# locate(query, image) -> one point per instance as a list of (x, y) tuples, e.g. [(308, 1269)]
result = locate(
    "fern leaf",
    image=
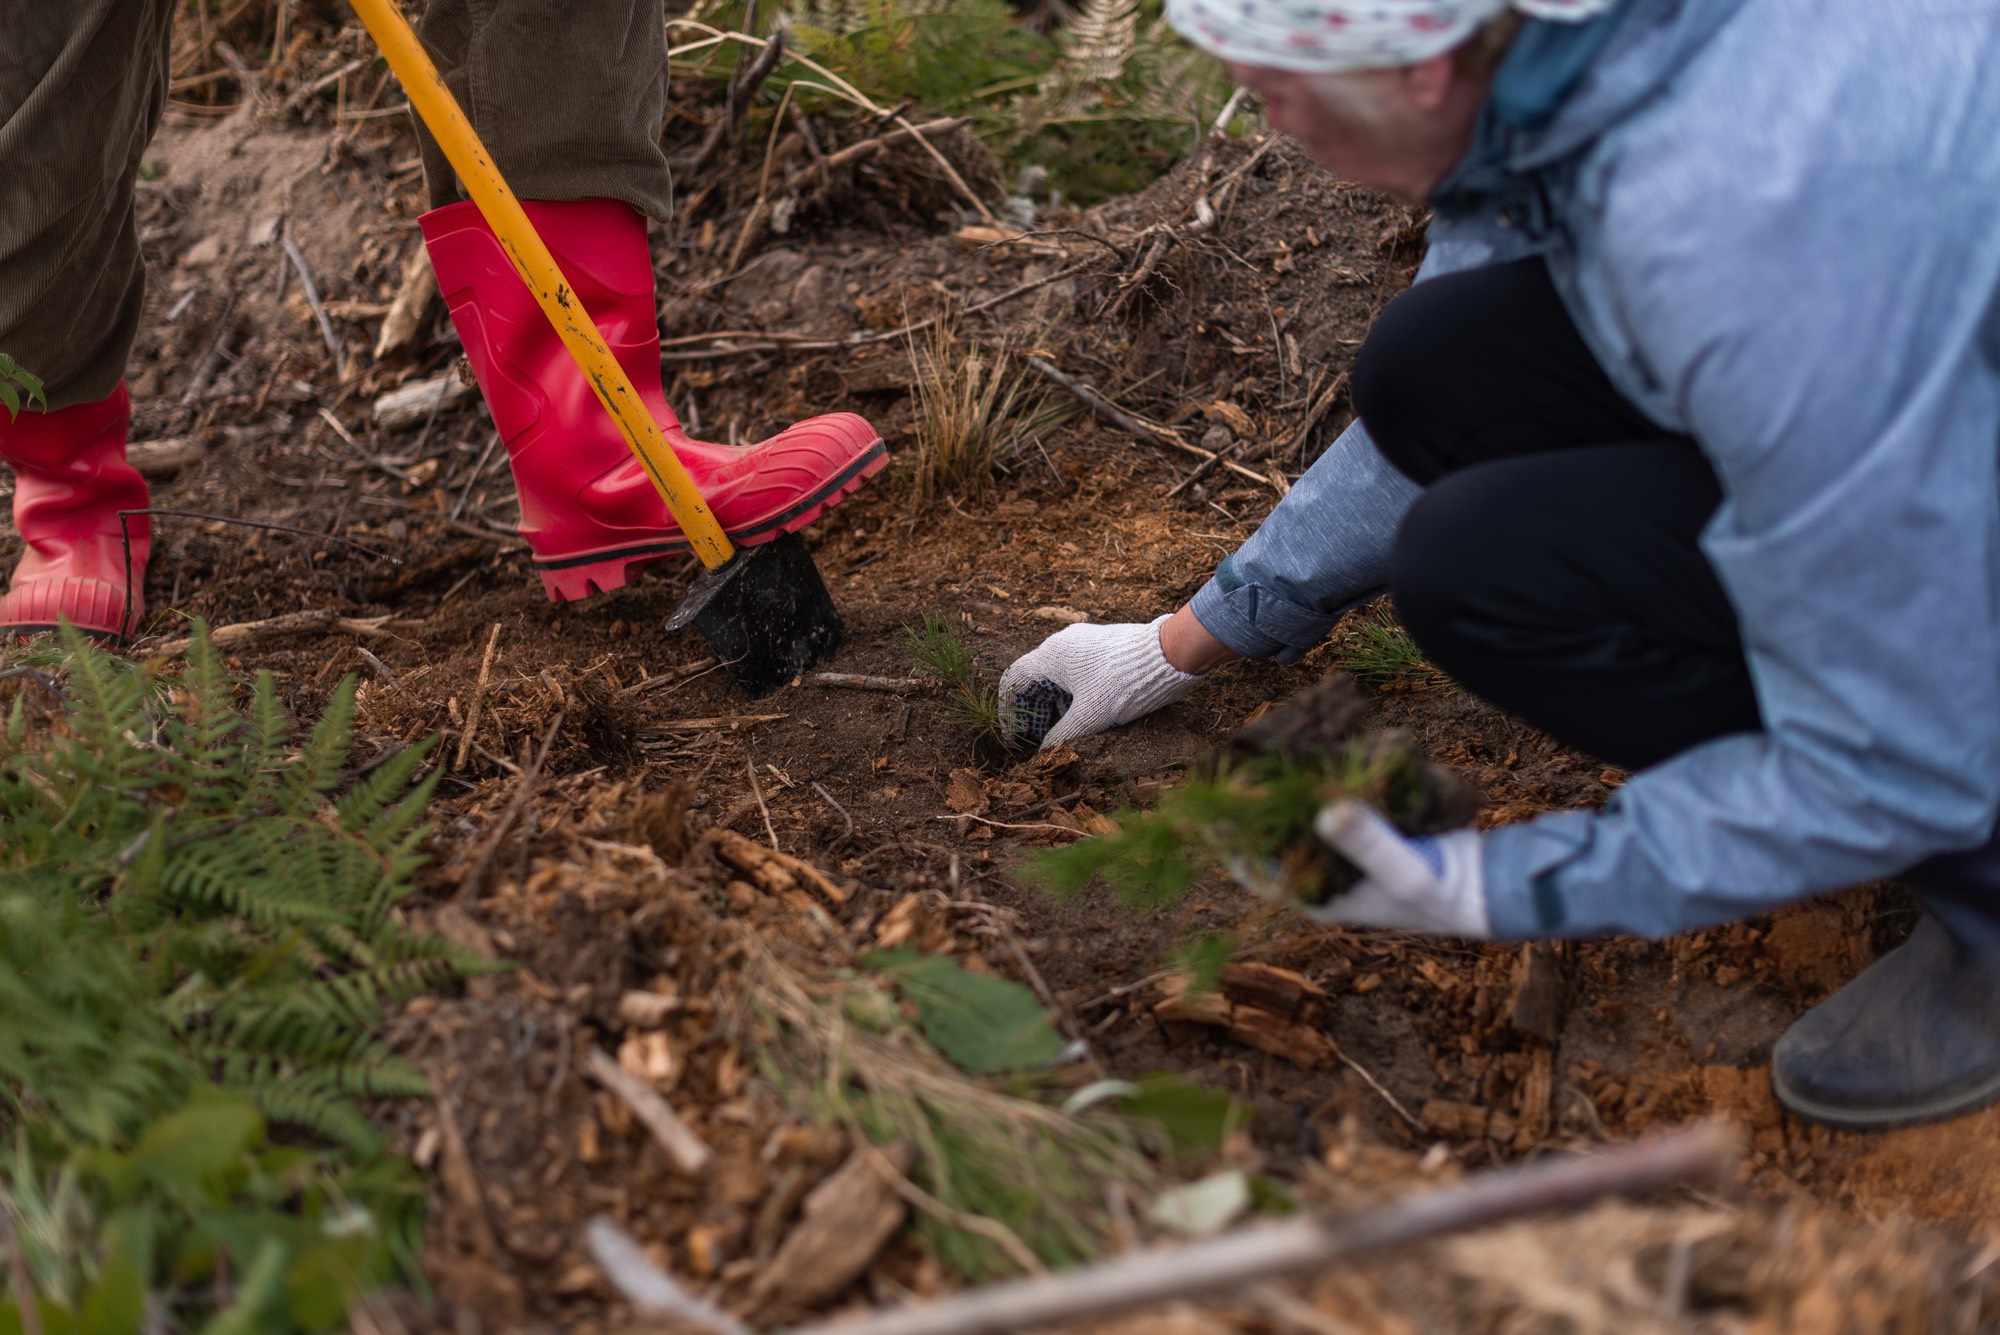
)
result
[(1100, 38), (316, 772)]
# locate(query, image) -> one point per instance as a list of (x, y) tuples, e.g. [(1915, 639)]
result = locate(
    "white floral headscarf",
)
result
[(1327, 36)]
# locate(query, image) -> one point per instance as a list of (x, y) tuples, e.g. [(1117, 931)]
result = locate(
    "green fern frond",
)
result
[(316, 772), (1100, 37), (190, 900)]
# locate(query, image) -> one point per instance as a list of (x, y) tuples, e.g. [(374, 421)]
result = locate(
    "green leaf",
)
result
[(187, 1154), (116, 1304), (982, 1023), (257, 1300), (322, 1281), (1194, 1119), (56, 1320)]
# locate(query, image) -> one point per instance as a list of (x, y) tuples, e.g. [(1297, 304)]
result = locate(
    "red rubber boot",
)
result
[(70, 482), (588, 510)]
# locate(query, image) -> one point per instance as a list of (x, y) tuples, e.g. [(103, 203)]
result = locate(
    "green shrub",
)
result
[(198, 942)]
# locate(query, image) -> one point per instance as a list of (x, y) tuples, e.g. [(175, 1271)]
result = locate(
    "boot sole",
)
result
[(570, 579), (98, 635), (1885, 1119)]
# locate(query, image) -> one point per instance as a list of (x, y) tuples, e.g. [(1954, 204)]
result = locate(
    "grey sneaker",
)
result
[(1915, 1038)]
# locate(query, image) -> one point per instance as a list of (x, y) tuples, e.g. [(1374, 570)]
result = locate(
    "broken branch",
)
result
[(290, 623), (688, 1151), (1153, 435), (1251, 1256), (856, 681)]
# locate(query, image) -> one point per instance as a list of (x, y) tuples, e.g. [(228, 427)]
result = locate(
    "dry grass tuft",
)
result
[(1014, 1184), (976, 407)]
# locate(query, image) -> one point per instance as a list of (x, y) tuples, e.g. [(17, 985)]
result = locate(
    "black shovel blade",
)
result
[(766, 614)]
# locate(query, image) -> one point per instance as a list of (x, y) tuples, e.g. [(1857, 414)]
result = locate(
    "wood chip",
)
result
[(1283, 992), (1267, 1031), (1535, 1007), (410, 312), (413, 404), (966, 793), (164, 458), (647, 1010), (1454, 1120), (775, 872), (1533, 1100), (1062, 616), (844, 1223)]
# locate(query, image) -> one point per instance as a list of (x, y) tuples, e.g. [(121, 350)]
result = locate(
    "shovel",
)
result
[(764, 610)]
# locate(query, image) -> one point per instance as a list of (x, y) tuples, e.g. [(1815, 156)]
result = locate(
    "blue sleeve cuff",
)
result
[(1257, 623)]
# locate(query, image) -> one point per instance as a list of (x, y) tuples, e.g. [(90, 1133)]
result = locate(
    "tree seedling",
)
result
[(1255, 801), (975, 694)]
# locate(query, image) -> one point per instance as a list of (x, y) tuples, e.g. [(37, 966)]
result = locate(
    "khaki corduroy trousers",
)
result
[(568, 95)]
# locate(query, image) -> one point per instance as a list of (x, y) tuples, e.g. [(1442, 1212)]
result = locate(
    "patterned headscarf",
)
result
[(1328, 36)]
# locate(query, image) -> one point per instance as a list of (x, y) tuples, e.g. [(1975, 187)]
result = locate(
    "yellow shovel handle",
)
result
[(496, 203)]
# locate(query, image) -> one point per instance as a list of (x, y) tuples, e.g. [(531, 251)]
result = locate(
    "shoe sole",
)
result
[(107, 638), (1885, 1119), (569, 579)]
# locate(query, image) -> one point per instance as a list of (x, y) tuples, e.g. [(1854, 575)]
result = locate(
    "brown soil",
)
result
[(561, 843)]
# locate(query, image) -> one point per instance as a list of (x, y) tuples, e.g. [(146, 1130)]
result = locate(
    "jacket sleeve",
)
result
[(1325, 546), (1830, 342)]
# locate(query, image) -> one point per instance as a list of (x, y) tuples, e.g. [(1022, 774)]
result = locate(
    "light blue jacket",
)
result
[(1777, 224)]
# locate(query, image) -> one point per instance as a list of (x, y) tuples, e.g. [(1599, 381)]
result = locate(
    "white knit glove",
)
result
[(1422, 883), (1084, 679)]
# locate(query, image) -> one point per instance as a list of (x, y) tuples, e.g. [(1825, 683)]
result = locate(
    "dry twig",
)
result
[(646, 1286), (1150, 433), (478, 700), (761, 342), (689, 1153), (840, 88), (298, 259), (757, 791), (290, 623), (855, 681), (1250, 1256)]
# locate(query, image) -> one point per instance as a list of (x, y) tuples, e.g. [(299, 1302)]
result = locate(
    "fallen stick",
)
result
[(811, 343), (1118, 417), (156, 459), (290, 623), (159, 512), (726, 723), (854, 152), (688, 1151), (1204, 468), (856, 681), (1245, 1258), (742, 87), (645, 1286), (478, 699), (298, 259)]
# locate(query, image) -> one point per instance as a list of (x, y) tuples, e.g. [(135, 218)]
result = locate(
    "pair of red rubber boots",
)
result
[(589, 512)]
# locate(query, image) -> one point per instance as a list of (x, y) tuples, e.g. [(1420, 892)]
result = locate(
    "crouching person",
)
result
[(1682, 449)]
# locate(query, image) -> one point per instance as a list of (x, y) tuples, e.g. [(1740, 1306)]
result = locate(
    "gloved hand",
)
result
[(1084, 679), (1423, 883)]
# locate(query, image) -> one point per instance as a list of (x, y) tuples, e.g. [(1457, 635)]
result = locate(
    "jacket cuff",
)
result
[(1255, 622)]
